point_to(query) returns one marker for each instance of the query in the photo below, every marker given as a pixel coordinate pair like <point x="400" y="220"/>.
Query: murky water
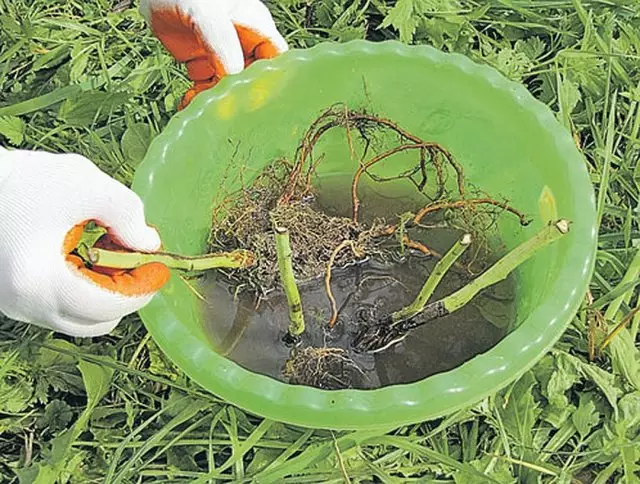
<point x="251" y="332"/>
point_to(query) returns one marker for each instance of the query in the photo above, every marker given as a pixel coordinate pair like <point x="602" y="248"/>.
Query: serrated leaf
<point x="511" y="63"/>
<point x="15" y="395"/>
<point x="569" y="95"/>
<point x="57" y="415"/>
<point x="55" y="370"/>
<point x="403" y="18"/>
<point x="533" y="47"/>
<point x="60" y="459"/>
<point x="12" y="128"/>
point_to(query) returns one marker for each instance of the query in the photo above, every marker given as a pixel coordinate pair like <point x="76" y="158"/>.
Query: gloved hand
<point x="213" y="37"/>
<point x="45" y="199"/>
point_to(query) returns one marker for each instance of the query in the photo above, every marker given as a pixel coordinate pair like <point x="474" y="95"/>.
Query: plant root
<point x="434" y="207"/>
<point x="324" y="368"/>
<point x="341" y="116"/>
<point x="327" y="277"/>
<point x="283" y="195"/>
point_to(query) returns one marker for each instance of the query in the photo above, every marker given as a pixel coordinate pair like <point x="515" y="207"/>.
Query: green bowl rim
<point x="396" y="405"/>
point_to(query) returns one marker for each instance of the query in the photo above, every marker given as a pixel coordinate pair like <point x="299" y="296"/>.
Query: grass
<point x="88" y="77"/>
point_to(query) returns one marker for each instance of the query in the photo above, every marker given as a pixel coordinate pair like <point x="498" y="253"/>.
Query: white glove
<point x="45" y="199"/>
<point x="213" y="37"/>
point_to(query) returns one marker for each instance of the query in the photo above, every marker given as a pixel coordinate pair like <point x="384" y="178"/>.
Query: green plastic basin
<point x="508" y="143"/>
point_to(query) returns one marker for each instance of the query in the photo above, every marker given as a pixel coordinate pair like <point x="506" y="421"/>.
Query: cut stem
<point x="378" y="337"/>
<point x="238" y="259"/>
<point x="441" y="268"/>
<point x="285" y="266"/>
<point x="505" y="266"/>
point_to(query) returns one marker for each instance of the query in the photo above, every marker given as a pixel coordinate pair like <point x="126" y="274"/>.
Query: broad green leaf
<point x="82" y="109"/>
<point x="602" y="379"/>
<point x="586" y="416"/>
<point x="37" y="474"/>
<point x="135" y="141"/>
<point x="51" y="58"/>
<point x="621" y="347"/>
<point x="556" y="377"/>
<point x="97" y="379"/>
<point x="629" y="417"/>
<point x="519" y="410"/>
<point x="557" y="415"/>
<point x="78" y="65"/>
<point x="605" y="381"/>
<point x="12" y="128"/>
<point x="88" y="107"/>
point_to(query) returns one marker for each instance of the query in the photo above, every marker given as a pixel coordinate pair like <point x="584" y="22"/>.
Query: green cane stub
<point x="508" y="143"/>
